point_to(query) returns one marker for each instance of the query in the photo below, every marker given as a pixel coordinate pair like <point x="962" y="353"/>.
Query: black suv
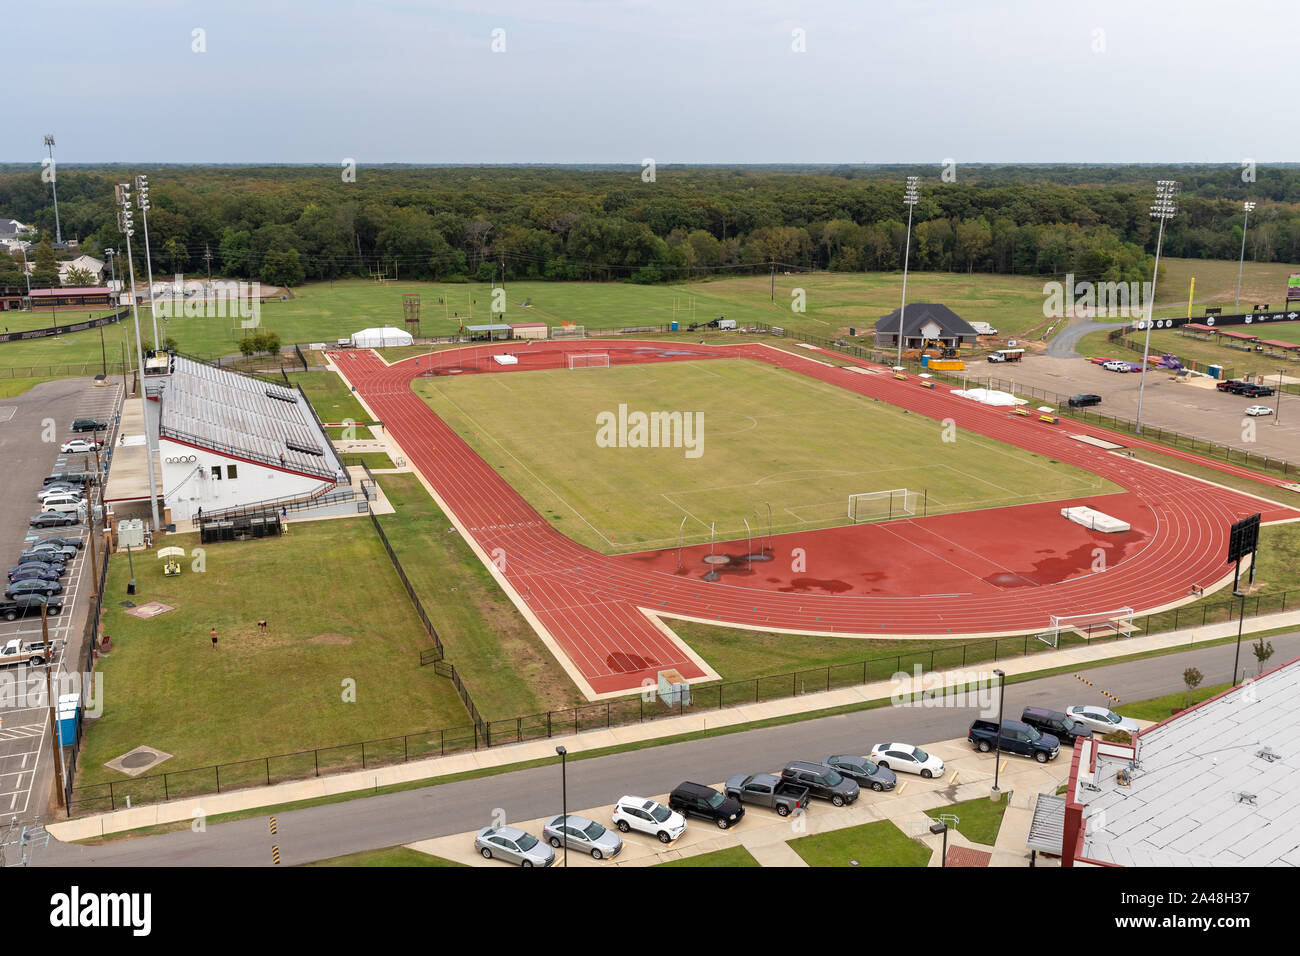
<point x="1060" y="726"/>
<point x="822" y="781"/>
<point x="695" y="799"/>
<point x="88" y="425"/>
<point x="1084" y="399"/>
<point x="71" y="477"/>
<point x="24" y="604"/>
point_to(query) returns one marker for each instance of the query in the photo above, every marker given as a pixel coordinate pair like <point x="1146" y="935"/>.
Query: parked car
<point x="767" y="790"/>
<point x="822" y="781"/>
<point x="76" y="446"/>
<point x="58" y="488"/>
<point x="1017" y="738"/>
<point x="1115" y="365"/>
<point x="88" y="425"/>
<point x="695" y="799"/>
<point x="1258" y="391"/>
<point x="63" y="541"/>
<point x="52" y="519"/>
<point x="514" y="846"/>
<point x="907" y="758"/>
<point x="48" y="556"/>
<point x="583" y="834"/>
<point x="863" y="772"/>
<point x="1229" y="385"/>
<point x="24" y="604"/>
<point x="35" y="572"/>
<point x="33" y="587"/>
<point x="1061" y="726"/>
<point x="1100" y="720"/>
<point x="55" y="552"/>
<point x="71" y="477"/>
<point x="1084" y="399"/>
<point x="1255" y="411"/>
<point x="647" y="816"/>
<point x="64" y="504"/>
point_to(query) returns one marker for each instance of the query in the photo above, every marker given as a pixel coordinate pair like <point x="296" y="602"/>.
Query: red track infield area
<point x="999" y="570"/>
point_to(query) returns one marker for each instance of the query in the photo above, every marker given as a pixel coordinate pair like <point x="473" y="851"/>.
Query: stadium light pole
<point x="54" y="175"/>
<point x="1162" y="210"/>
<point x="1236" y="303"/>
<point x="910" y="196"/>
<point x="26" y="275"/>
<point x="142" y="200"/>
<point x="126" y="225"/>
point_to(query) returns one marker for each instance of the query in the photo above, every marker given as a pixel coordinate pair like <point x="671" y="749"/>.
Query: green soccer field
<point x="768" y="436"/>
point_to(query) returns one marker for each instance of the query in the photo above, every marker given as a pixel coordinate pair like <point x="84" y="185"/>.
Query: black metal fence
<point x="89" y="644"/>
<point x="263" y="771"/>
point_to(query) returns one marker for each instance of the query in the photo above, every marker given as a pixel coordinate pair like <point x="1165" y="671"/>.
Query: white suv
<point x="647" y="816"/>
<point x="1115" y="365"/>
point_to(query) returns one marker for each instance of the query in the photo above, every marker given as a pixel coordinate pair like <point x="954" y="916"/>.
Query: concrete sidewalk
<point x="416" y="770"/>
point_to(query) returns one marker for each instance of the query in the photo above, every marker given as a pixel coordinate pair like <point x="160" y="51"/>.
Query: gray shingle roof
<point x="919" y="313"/>
<point x="227" y="412"/>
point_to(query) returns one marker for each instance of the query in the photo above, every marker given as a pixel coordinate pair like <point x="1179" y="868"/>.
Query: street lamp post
<point x="1277" y="410"/>
<point x="997" y="758"/>
<point x="910" y="195"/>
<point x="1236" y="303"/>
<point x="941" y="828"/>
<point x="1162" y="210"/>
<point x="564" y="802"/>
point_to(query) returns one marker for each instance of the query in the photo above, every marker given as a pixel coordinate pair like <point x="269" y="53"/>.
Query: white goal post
<point x="1118" y="622"/>
<point x="873" y="505"/>
<point x="588" y="359"/>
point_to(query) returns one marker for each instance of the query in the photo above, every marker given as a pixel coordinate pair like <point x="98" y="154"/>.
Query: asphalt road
<point x="373" y="822"/>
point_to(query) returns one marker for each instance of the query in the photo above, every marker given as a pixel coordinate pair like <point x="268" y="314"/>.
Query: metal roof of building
<point x="1213" y="786"/>
<point x="500" y="327"/>
<point x="235" y="414"/>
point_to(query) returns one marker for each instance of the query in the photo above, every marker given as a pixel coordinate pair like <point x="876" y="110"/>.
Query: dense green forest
<point x="287" y="224"/>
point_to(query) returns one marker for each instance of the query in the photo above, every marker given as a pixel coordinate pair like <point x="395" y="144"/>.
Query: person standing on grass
<point x="214" y="638"/>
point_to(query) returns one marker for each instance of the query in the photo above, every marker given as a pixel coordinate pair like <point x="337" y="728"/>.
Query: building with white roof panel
<point x="1215" y="785"/>
<point x="224" y="440"/>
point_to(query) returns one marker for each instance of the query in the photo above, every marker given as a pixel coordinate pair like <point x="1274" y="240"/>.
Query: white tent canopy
<point x="384" y="338"/>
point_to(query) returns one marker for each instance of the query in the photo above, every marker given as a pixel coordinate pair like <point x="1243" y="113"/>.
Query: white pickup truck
<point x="19" y="651"/>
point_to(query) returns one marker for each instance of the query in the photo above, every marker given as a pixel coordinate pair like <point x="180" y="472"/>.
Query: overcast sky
<point x="679" y="81"/>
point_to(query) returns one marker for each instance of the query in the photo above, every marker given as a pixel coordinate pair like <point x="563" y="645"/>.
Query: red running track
<point x="599" y="613"/>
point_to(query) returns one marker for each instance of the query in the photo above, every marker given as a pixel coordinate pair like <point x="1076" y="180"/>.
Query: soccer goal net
<point x="874" y="505"/>
<point x="1116" y="623"/>
<point x="568" y="331"/>
<point x="588" y="359"/>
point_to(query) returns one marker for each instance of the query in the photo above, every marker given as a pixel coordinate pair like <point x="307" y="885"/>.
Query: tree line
<point x="288" y="224"/>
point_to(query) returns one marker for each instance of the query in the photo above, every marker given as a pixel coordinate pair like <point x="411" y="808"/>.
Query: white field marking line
<point x="689" y="514"/>
<point x="581" y="517"/>
<point x="890" y="529"/>
<point x="976" y="554"/>
<point x="1088" y="480"/>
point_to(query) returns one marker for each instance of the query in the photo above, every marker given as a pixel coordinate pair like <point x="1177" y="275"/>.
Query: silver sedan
<point x="583" y="834"/>
<point x="514" y="846"/>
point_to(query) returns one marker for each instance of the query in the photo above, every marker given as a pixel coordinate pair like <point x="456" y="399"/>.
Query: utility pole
<point x="771" y="296"/>
<point x="207" y="257"/>
<point x="90" y="520"/>
<point x="53" y="702"/>
<point x="103" y="351"/>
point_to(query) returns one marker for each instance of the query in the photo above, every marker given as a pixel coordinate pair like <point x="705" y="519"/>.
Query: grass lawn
<point x="978" y="820"/>
<point x="1158" y="708"/>
<point x="872" y="844"/>
<point x="373" y="459"/>
<point x="732" y="856"/>
<point x="13" y="387"/>
<point x="768" y="435"/>
<point x="507" y="668"/>
<point x="330" y="396"/>
<point x="390" y="856"/>
<point x="336" y="613"/>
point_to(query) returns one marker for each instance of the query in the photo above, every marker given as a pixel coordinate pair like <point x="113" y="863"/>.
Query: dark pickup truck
<point x="1017" y="738"/>
<point x="767" y="790"/>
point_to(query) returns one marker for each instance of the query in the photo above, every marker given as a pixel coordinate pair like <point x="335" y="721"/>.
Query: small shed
<point x="528" y="330"/>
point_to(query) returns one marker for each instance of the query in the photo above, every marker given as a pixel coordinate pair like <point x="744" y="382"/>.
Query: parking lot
<point x="1193" y="408"/>
<point x="25" y="752"/>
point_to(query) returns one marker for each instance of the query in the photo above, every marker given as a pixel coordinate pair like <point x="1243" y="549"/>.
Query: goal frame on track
<point x="1118" y="621"/>
<point x="902" y="503"/>
<point x="573" y="357"/>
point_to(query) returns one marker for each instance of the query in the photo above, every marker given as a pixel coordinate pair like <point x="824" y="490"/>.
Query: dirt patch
<point x="330" y="637"/>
